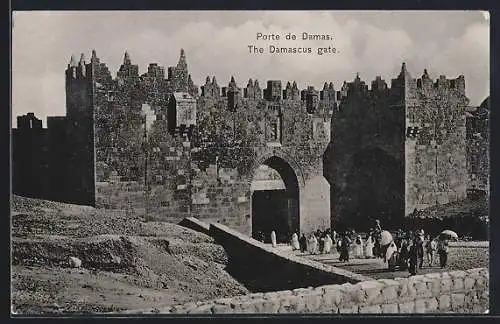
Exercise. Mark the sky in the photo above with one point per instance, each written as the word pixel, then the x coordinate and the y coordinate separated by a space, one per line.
pixel 216 43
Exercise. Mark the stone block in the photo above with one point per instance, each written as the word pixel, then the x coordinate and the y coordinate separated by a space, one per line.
pixel 374 296
pixel 331 297
pixel 270 307
pixel 446 284
pixel 422 289
pixel 313 303
pixel 485 295
pixel 389 282
pixel 300 291
pixel 431 305
pixel 407 308
pixel 390 309
pixel 300 305
pixel 435 287
pixel 458 284
pixel 357 296
pixel 420 306
pixel 390 294
pixel 255 306
pixel 458 274
pixel 469 283
pixel 375 309
pixel 444 303
pixel 288 304
pixel 351 310
pixel 480 282
pixel 457 301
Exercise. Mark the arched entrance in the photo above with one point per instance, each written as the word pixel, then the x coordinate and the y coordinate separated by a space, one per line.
pixel 275 200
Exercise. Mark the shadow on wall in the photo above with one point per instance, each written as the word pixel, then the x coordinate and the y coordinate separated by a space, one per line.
pixel 375 190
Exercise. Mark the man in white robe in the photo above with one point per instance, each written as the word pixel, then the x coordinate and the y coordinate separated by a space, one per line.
pixel 358 247
pixel 390 250
pixel 328 244
pixel 295 242
pixel 273 238
pixel 369 244
pixel 312 244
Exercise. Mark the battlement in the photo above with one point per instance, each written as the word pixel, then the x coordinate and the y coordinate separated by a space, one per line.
pixel 273 92
pixel 404 83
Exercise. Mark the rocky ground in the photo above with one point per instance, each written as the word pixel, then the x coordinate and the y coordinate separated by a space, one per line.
pixel 126 262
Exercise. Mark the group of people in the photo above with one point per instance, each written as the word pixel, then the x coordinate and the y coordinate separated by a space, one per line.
pixel 325 242
pixel 412 248
pixel 407 249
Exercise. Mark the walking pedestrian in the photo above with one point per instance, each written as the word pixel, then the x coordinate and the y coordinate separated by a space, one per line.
pixel 443 249
pixel 273 239
pixel 295 242
pixel 312 244
pixel 413 254
pixel 430 249
pixel 419 239
pixel 344 249
pixel 369 244
pixel 328 244
pixel 358 247
pixel 303 243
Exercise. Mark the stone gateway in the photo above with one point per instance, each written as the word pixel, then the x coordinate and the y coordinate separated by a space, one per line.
pixel 254 158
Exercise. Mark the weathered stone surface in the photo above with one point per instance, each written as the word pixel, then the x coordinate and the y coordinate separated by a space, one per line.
pixel 377 309
pixel 390 309
pixel 458 274
pixel 420 306
pixel 469 282
pixel 431 305
pixel 458 284
pixel 364 298
pixel 457 301
pixel 446 285
pixel 314 302
pixel 407 308
pixel 434 286
pixel 390 294
pixel 373 291
pixel 351 310
pixel 444 302
pixel 422 290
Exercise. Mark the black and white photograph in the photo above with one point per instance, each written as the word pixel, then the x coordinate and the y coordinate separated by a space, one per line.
pixel 250 162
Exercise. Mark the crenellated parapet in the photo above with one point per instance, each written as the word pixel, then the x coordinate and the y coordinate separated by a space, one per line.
pixel 211 89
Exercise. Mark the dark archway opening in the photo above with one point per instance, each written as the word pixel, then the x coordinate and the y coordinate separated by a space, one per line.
pixel 375 190
pixel 274 207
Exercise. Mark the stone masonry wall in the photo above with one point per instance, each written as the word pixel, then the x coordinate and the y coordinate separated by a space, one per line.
pixel 448 292
pixel 436 164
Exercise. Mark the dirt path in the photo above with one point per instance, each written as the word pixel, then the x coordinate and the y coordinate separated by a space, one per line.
pixel 461 257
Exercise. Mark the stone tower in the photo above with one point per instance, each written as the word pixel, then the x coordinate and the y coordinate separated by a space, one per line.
pixel 397 149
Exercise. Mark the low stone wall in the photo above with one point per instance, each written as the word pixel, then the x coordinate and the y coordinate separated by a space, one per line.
pixel 448 292
pixel 195 224
pixel 262 268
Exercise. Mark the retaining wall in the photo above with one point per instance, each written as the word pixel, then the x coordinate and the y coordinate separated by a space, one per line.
pixel 448 292
pixel 195 224
pixel 262 268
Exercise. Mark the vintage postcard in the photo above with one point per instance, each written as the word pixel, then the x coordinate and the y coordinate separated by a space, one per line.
pixel 257 162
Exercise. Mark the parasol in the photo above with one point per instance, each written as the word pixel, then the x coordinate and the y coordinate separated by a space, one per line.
pixel 448 234
pixel 385 238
